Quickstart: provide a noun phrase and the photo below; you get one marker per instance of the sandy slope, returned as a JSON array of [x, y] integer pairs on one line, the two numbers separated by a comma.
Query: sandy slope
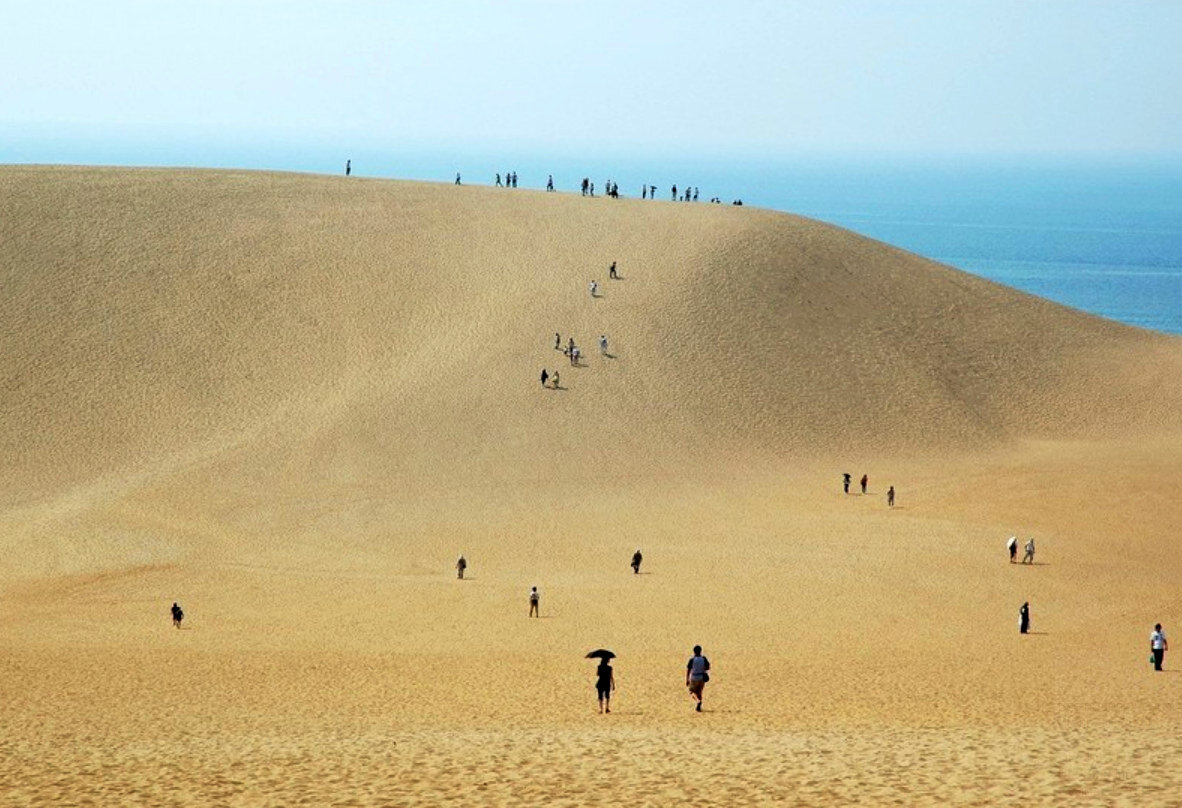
[[290, 401]]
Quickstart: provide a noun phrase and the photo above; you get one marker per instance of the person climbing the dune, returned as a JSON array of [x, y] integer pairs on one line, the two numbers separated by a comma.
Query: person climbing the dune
[[697, 675], [178, 614]]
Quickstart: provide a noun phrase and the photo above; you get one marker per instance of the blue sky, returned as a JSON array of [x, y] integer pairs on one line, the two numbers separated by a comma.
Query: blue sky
[[741, 78]]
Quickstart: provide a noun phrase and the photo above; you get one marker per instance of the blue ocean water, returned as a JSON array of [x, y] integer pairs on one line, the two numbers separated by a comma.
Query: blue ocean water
[[1104, 235]]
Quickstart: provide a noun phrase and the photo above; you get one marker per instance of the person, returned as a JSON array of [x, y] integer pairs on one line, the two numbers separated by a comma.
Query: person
[[674, 191], [611, 271], [457, 178], [557, 341], [891, 497], [865, 479], [1028, 558], [636, 559], [554, 380], [1012, 546], [1158, 645], [695, 193], [348, 167], [603, 344], [605, 683], [514, 179], [644, 192], [461, 565], [533, 602], [570, 346], [592, 192], [178, 615], [574, 356], [1024, 619], [845, 482], [652, 192], [545, 376], [585, 181], [498, 180], [696, 675], [594, 287], [550, 182]]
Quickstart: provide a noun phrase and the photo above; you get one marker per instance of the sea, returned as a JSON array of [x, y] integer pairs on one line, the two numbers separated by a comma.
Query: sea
[[1101, 234]]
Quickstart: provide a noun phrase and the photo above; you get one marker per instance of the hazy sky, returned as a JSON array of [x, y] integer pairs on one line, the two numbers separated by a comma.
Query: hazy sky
[[672, 77]]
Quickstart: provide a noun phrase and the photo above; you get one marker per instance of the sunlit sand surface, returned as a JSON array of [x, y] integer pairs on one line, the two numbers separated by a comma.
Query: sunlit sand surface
[[290, 402]]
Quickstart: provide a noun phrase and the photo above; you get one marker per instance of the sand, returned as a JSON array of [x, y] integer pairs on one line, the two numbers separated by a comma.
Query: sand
[[290, 402]]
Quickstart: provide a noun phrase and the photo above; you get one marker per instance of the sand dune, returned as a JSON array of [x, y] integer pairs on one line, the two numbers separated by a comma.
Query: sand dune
[[291, 401]]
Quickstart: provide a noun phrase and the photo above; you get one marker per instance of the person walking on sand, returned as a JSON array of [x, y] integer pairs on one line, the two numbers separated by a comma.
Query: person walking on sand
[[348, 167], [644, 192], [603, 344], [557, 341], [533, 602], [594, 287], [845, 482], [1024, 619], [554, 380], [605, 683], [1012, 546], [545, 376], [1028, 558], [550, 183], [865, 479], [178, 615], [570, 346], [674, 192], [1158, 645], [891, 497], [611, 272], [461, 565], [636, 559], [574, 357], [697, 675], [457, 178]]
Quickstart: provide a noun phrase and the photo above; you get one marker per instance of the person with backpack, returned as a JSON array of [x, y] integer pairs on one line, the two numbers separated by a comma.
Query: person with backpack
[[697, 674], [178, 615]]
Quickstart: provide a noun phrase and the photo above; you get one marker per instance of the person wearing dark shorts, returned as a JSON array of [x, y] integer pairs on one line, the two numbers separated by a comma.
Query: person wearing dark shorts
[[696, 675], [605, 683], [1158, 645], [178, 615]]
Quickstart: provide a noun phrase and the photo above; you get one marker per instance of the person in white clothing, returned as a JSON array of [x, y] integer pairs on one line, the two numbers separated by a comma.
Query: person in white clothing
[[594, 287], [1158, 645], [1028, 558], [696, 675], [603, 344]]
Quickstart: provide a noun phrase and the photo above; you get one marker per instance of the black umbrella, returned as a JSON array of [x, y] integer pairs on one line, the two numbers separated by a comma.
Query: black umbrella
[[601, 653]]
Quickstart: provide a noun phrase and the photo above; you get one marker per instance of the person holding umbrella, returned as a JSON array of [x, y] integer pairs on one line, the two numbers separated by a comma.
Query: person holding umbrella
[[605, 679]]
